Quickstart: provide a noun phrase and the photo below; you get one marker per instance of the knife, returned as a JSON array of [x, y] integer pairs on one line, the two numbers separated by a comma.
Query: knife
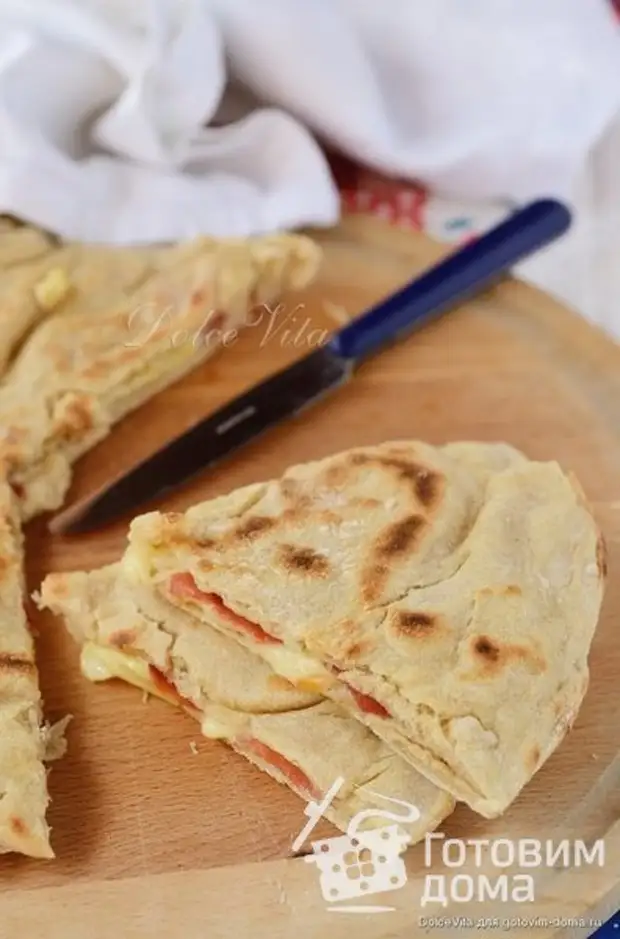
[[305, 382]]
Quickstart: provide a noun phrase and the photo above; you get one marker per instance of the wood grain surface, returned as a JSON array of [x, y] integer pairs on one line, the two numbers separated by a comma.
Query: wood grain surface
[[154, 839]]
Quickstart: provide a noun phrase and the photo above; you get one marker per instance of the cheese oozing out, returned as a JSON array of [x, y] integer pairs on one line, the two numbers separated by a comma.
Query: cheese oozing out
[[102, 663]]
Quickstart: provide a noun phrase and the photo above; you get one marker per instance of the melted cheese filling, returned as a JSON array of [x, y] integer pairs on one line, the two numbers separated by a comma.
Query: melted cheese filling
[[102, 663], [299, 669], [296, 667]]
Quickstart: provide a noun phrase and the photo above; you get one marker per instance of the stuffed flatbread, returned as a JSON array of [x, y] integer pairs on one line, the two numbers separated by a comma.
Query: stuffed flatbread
[[446, 596]]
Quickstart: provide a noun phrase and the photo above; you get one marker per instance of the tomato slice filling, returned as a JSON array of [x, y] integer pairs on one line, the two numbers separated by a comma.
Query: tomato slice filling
[[365, 702], [185, 587], [368, 704], [166, 688], [293, 773]]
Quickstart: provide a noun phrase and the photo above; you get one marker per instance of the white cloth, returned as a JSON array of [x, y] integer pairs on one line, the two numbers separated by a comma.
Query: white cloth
[[112, 113]]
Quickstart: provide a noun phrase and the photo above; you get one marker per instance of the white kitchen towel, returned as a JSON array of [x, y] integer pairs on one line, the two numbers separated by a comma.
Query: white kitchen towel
[[114, 126]]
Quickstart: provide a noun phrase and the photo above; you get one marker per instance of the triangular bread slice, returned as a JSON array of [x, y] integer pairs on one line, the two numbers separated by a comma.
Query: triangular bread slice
[[23, 778], [82, 370], [447, 596], [294, 735]]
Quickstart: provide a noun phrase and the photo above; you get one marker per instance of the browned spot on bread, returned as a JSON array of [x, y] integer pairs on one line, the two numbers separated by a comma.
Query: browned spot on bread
[[395, 541], [205, 542], [73, 416], [416, 625], [123, 638], [359, 648], [373, 580], [254, 526], [337, 475], [426, 483], [171, 518], [368, 503], [15, 663], [493, 656], [181, 539], [532, 759], [18, 825], [296, 514], [399, 537], [601, 557], [303, 560], [512, 590], [14, 442], [486, 649]]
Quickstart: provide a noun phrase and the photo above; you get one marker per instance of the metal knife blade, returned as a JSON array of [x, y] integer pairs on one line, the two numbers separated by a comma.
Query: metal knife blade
[[280, 396], [300, 385]]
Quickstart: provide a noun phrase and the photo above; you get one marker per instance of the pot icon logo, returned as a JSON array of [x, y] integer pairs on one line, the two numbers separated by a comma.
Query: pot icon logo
[[365, 861]]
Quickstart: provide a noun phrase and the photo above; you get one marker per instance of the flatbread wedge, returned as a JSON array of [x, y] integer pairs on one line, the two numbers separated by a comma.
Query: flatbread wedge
[[82, 370], [294, 735], [23, 777], [446, 596], [59, 278]]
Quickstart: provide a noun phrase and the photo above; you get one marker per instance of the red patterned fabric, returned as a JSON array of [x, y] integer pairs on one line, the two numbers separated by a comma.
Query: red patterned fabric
[[363, 190], [397, 201]]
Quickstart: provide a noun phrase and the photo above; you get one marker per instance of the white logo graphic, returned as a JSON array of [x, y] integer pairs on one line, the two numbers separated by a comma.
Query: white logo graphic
[[359, 863]]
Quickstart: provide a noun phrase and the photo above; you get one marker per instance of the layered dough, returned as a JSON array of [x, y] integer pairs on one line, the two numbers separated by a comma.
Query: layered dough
[[23, 777], [87, 334], [446, 596], [87, 366], [291, 733]]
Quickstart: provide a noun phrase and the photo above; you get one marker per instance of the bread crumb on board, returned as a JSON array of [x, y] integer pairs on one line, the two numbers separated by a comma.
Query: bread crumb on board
[[145, 697], [54, 740], [193, 747]]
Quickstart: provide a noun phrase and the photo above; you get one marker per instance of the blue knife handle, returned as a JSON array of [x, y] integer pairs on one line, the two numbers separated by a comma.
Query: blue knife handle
[[464, 272]]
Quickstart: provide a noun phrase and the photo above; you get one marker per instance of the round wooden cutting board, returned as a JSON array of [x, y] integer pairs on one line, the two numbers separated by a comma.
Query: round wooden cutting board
[[161, 833]]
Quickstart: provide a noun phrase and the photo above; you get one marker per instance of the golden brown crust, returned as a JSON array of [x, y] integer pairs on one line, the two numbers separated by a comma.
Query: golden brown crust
[[299, 560], [16, 664], [461, 590]]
